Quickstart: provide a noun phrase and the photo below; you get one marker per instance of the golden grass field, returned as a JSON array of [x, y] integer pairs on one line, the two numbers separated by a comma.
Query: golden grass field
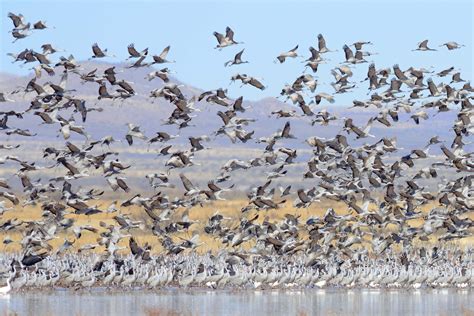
[[228, 208]]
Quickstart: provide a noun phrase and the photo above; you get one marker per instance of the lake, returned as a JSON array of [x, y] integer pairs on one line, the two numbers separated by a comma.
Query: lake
[[244, 302]]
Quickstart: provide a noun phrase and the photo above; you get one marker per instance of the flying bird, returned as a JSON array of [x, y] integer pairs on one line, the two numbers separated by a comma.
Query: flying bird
[[237, 59], [225, 40]]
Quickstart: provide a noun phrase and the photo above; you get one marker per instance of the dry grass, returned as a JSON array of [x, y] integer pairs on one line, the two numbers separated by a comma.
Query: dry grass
[[229, 208]]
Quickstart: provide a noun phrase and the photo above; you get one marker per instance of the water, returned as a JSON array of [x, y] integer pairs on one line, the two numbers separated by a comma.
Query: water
[[202, 302]]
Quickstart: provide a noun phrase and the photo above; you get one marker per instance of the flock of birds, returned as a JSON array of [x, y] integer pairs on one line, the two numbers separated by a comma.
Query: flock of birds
[[373, 243]]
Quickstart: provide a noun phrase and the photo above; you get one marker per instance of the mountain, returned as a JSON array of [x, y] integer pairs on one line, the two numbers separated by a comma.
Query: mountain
[[150, 113]]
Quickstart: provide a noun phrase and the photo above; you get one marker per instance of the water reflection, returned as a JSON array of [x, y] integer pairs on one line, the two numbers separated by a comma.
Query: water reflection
[[201, 302]]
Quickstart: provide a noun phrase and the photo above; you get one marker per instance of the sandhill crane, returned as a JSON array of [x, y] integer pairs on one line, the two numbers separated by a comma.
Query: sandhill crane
[[237, 106], [351, 58], [48, 69], [432, 88], [248, 80], [322, 45], [98, 52], [68, 63], [162, 74], [40, 25], [48, 118], [196, 142], [49, 49], [6, 289], [227, 40], [162, 137], [134, 132], [118, 182], [285, 133], [139, 63], [289, 54], [26, 55], [126, 87], [419, 115], [188, 185], [315, 59], [32, 259], [423, 46], [445, 72], [103, 93], [358, 45], [452, 45], [18, 21], [161, 58], [455, 78], [237, 59], [19, 35], [134, 53]]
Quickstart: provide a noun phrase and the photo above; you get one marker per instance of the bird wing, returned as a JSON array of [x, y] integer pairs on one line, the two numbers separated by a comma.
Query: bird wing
[[302, 196], [17, 19], [321, 42], [257, 84], [294, 49], [348, 52], [219, 37], [239, 55], [186, 183], [214, 188], [165, 51], [238, 104], [229, 33], [103, 90], [96, 50], [423, 44], [132, 51], [286, 130]]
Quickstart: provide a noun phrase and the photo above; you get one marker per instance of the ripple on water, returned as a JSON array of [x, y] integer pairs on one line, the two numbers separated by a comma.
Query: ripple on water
[[223, 302]]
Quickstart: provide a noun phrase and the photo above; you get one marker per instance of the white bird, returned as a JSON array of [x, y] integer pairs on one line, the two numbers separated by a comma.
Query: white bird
[[452, 45], [6, 289]]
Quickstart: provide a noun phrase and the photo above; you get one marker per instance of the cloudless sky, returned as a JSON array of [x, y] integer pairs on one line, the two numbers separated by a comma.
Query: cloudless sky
[[266, 27]]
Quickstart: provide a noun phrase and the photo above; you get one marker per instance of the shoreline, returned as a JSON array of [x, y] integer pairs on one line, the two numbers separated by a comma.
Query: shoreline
[[449, 268], [207, 290]]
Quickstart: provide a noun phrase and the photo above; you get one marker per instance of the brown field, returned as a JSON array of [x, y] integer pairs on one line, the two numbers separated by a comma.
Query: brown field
[[229, 208]]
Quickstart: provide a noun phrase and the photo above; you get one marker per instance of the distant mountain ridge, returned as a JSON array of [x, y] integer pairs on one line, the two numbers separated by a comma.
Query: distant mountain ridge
[[149, 113]]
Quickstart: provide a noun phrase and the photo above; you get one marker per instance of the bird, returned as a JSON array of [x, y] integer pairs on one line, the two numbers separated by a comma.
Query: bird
[[322, 45], [161, 58], [237, 60], [225, 40], [289, 54], [162, 74], [134, 132], [4, 290], [423, 46], [134, 53], [452, 45], [98, 52], [358, 45], [18, 21], [395, 196], [245, 79]]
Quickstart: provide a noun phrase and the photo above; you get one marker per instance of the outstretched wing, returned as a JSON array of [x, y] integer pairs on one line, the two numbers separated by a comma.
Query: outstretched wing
[[219, 37], [165, 51], [229, 33], [186, 183]]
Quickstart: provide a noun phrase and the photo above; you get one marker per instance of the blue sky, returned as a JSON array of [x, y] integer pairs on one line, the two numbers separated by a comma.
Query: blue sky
[[267, 28]]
